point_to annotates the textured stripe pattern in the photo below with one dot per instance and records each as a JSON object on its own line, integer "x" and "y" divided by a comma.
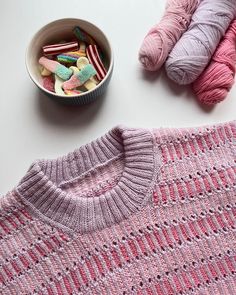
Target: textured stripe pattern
{"x": 133, "y": 212}
{"x": 60, "y": 48}
{"x": 94, "y": 59}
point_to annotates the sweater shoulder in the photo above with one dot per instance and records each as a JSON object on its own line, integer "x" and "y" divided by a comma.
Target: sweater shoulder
{"x": 25, "y": 240}
{"x": 217, "y": 133}
{"x": 15, "y": 218}
{"x": 9, "y": 203}
{"x": 176, "y": 144}
{"x": 195, "y": 162}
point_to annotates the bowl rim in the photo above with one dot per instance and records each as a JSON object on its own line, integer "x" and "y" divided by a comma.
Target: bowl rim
{"x": 109, "y": 71}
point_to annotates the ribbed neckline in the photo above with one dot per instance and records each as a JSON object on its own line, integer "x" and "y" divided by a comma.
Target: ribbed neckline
{"x": 42, "y": 186}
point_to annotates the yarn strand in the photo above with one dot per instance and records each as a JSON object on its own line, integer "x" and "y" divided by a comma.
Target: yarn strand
{"x": 195, "y": 48}
{"x": 213, "y": 85}
{"x": 162, "y": 37}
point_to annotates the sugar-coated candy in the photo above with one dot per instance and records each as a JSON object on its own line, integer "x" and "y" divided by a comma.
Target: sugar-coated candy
{"x": 81, "y": 63}
{"x": 73, "y": 92}
{"x": 74, "y": 69}
{"x": 69, "y": 68}
{"x": 55, "y": 49}
{"x": 92, "y": 82}
{"x": 56, "y": 68}
{"x": 48, "y": 83}
{"x": 80, "y": 78}
{"x": 76, "y": 54}
{"x": 58, "y": 85}
{"x": 72, "y": 56}
{"x": 83, "y": 36}
{"x": 82, "y": 48}
{"x": 89, "y": 85}
{"x": 95, "y": 60}
{"x": 66, "y": 59}
{"x": 45, "y": 72}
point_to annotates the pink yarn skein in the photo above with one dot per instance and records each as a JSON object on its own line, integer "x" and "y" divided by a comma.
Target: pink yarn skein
{"x": 215, "y": 82}
{"x": 193, "y": 51}
{"x": 162, "y": 37}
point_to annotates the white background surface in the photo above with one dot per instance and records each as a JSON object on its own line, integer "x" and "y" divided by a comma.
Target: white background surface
{"x": 32, "y": 126}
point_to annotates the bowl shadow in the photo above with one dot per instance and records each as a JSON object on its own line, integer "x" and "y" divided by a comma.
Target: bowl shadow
{"x": 53, "y": 112}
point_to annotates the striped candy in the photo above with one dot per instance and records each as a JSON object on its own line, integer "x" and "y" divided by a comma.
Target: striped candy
{"x": 60, "y": 48}
{"x": 94, "y": 59}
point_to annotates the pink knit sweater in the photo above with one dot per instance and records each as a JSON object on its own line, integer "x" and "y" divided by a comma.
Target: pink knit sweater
{"x": 136, "y": 211}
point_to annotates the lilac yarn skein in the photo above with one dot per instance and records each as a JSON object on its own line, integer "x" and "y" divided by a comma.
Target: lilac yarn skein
{"x": 193, "y": 51}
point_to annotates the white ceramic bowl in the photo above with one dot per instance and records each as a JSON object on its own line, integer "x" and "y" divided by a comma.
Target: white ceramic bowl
{"x": 62, "y": 29}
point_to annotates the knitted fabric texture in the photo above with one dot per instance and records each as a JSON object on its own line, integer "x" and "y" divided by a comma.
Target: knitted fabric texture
{"x": 136, "y": 211}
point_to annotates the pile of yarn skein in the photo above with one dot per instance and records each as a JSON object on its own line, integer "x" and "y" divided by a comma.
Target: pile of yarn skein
{"x": 196, "y": 42}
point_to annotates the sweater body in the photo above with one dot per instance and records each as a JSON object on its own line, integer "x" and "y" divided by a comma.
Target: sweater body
{"x": 136, "y": 211}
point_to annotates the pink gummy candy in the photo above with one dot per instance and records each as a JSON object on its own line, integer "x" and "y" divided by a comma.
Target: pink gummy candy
{"x": 48, "y": 83}
{"x": 72, "y": 83}
{"x": 55, "y": 67}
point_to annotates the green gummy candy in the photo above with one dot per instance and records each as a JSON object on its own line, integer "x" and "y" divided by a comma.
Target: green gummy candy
{"x": 78, "y": 34}
{"x": 86, "y": 73}
{"x": 63, "y": 72}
